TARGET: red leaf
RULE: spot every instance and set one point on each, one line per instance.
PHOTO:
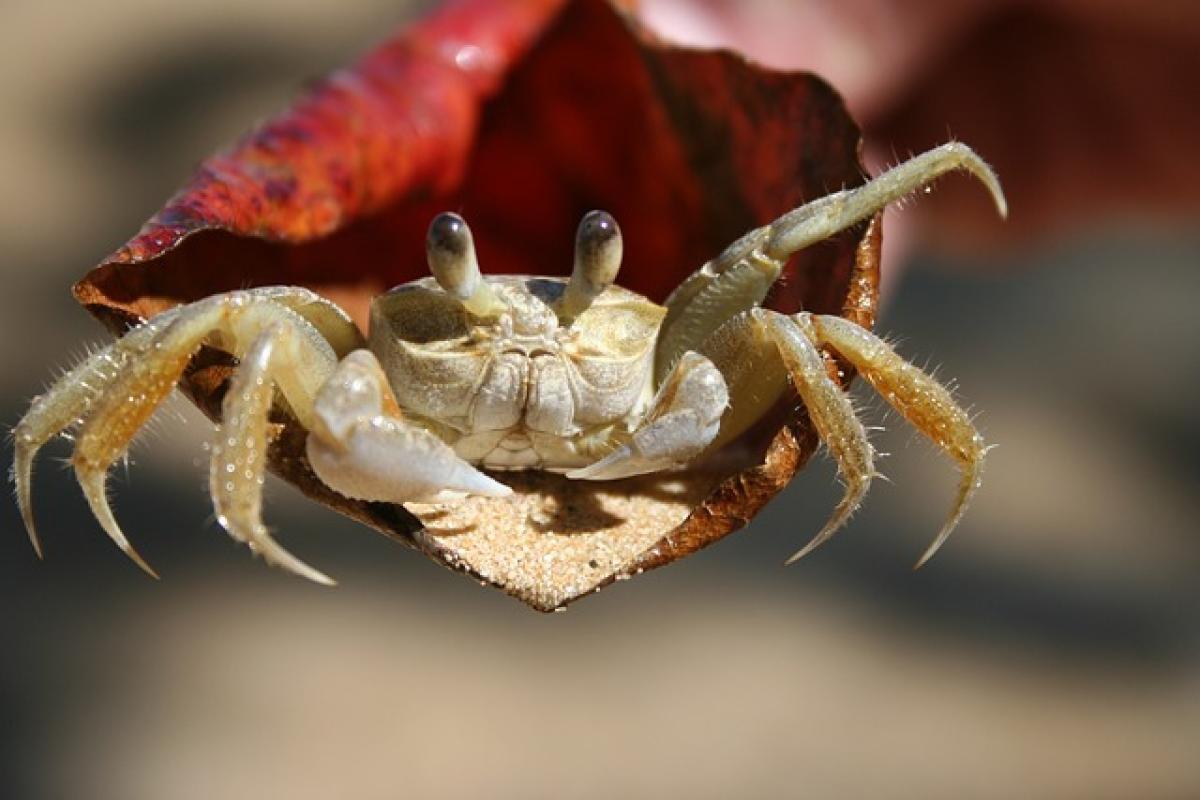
(521, 116)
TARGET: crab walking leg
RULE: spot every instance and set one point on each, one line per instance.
(830, 410)
(113, 393)
(923, 401)
(121, 409)
(740, 277)
(684, 418)
(239, 453)
(125, 404)
(360, 446)
(66, 403)
(820, 219)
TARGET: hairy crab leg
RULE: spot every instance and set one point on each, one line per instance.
(120, 411)
(239, 453)
(684, 418)
(65, 404)
(361, 447)
(740, 277)
(112, 393)
(822, 218)
(827, 404)
(796, 340)
(923, 401)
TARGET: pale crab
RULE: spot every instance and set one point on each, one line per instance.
(463, 373)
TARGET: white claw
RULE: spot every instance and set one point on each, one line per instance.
(685, 417)
(472, 481)
(362, 451)
(387, 460)
(620, 463)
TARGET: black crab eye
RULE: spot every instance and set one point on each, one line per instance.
(448, 237)
(596, 240)
(450, 250)
(598, 250)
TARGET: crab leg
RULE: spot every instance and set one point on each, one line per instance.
(740, 277)
(65, 404)
(683, 419)
(759, 352)
(112, 393)
(126, 404)
(239, 451)
(740, 349)
(836, 212)
(923, 401)
(360, 446)
(117, 414)
(831, 413)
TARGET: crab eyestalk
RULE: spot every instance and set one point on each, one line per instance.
(450, 251)
(598, 251)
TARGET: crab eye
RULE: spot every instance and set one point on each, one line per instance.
(450, 251)
(598, 250)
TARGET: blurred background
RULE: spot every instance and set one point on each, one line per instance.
(1052, 649)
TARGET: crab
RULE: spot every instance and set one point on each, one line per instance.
(464, 375)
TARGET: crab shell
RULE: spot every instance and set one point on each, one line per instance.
(558, 111)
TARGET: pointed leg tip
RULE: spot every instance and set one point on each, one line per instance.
(971, 161)
(304, 570)
(968, 485)
(92, 483)
(276, 555)
(796, 556)
(992, 183)
(136, 558)
(942, 537)
(1001, 206)
(984, 172)
(841, 516)
(924, 559)
(22, 474)
(818, 540)
(256, 536)
(35, 541)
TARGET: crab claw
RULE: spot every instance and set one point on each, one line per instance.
(683, 419)
(361, 447)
